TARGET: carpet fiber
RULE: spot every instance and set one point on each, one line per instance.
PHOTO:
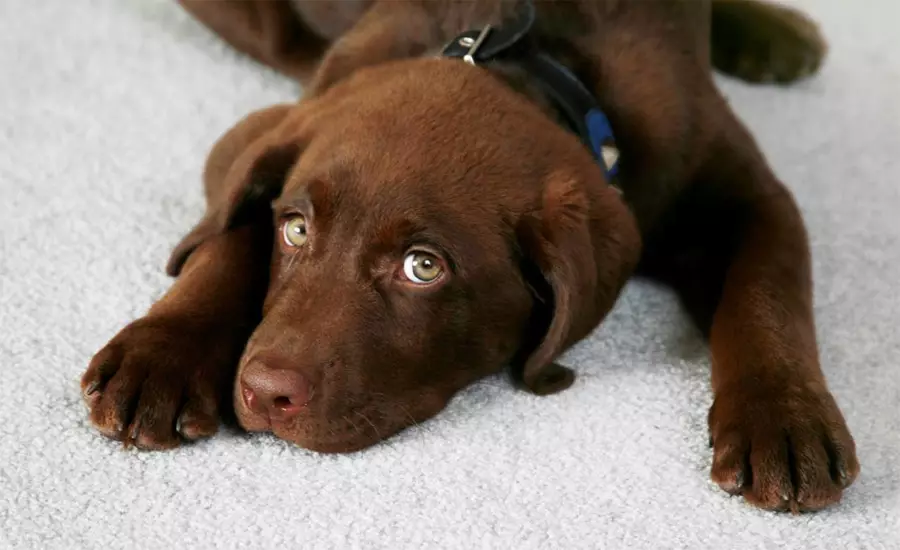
(108, 110)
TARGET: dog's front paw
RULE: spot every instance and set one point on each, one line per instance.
(160, 381)
(762, 42)
(782, 448)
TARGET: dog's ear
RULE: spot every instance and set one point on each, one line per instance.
(244, 172)
(579, 246)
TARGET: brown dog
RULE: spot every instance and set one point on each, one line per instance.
(433, 222)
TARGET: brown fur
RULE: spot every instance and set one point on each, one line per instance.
(391, 149)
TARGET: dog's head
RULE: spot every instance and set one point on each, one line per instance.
(430, 227)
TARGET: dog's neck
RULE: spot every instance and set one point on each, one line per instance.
(551, 31)
(519, 55)
(541, 51)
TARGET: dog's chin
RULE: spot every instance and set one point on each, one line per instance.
(330, 446)
(304, 435)
(354, 431)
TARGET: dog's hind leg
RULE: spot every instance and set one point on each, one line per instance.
(761, 42)
(268, 31)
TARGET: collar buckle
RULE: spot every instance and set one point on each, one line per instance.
(474, 44)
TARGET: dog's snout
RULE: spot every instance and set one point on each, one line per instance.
(278, 393)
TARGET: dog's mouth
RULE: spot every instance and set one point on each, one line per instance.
(350, 429)
(353, 431)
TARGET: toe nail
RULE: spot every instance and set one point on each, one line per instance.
(842, 474)
(135, 431)
(739, 480)
(845, 478)
(91, 388)
(178, 426)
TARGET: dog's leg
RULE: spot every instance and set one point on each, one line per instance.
(269, 31)
(777, 433)
(168, 376)
(389, 30)
(735, 248)
(762, 42)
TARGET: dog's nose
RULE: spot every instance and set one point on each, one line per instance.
(280, 393)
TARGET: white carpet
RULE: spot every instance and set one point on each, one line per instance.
(107, 110)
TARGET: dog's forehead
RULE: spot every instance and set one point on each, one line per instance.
(433, 144)
(428, 126)
(391, 200)
(430, 111)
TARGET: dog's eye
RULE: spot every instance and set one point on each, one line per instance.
(294, 231)
(422, 268)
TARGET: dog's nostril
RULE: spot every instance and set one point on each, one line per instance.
(280, 393)
(282, 402)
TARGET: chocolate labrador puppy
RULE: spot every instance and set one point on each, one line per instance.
(467, 186)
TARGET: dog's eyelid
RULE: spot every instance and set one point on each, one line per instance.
(284, 214)
(425, 248)
(288, 209)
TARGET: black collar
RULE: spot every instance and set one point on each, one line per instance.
(570, 96)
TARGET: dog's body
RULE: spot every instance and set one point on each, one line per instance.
(434, 223)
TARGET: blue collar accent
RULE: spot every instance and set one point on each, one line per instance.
(571, 97)
(603, 141)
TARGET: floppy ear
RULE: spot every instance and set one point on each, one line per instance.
(580, 247)
(244, 172)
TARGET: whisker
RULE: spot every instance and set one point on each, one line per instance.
(366, 418)
(355, 427)
(405, 410)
